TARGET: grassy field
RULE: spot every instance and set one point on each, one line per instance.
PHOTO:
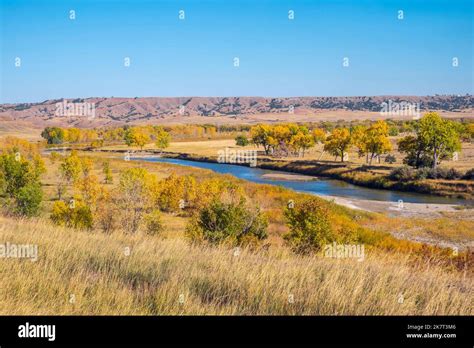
(80, 272)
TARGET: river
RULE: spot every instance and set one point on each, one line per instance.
(319, 186)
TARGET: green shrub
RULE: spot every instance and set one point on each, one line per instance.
(28, 200)
(78, 215)
(453, 174)
(443, 173)
(404, 173)
(153, 224)
(393, 131)
(310, 227)
(423, 173)
(469, 175)
(234, 223)
(20, 184)
(241, 140)
(390, 159)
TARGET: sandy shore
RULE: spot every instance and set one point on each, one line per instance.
(392, 208)
(389, 208)
(290, 177)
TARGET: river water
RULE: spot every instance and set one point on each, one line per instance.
(319, 186)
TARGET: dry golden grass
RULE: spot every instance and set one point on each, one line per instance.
(455, 230)
(93, 268)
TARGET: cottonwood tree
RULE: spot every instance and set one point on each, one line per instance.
(135, 189)
(338, 142)
(439, 136)
(20, 184)
(70, 167)
(372, 141)
(162, 138)
(261, 136)
(136, 137)
(53, 135)
(435, 139)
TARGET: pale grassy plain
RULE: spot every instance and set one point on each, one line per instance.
(80, 272)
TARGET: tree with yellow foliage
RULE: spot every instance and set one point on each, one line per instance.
(135, 188)
(338, 142)
(70, 167)
(372, 141)
(136, 137)
(162, 138)
(261, 135)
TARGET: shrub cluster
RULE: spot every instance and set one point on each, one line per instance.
(311, 226)
(234, 222)
(20, 186)
(406, 173)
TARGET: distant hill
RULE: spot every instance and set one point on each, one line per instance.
(119, 111)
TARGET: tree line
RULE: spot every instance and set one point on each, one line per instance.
(433, 140)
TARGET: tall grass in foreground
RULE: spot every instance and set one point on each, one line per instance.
(90, 273)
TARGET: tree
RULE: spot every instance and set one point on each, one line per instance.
(136, 137)
(416, 151)
(78, 215)
(435, 139)
(302, 141)
(71, 167)
(162, 138)
(108, 178)
(319, 135)
(373, 140)
(53, 135)
(177, 193)
(241, 140)
(28, 199)
(19, 182)
(135, 189)
(261, 135)
(86, 165)
(439, 136)
(338, 142)
(72, 135)
(90, 189)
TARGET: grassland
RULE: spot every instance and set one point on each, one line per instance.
(82, 272)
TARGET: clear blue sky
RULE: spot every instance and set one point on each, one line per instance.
(194, 57)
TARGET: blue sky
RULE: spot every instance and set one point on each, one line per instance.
(278, 57)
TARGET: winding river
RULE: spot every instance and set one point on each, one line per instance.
(319, 186)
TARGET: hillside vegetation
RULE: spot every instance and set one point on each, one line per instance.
(81, 272)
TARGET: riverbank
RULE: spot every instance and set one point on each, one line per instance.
(375, 177)
(365, 176)
(429, 220)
